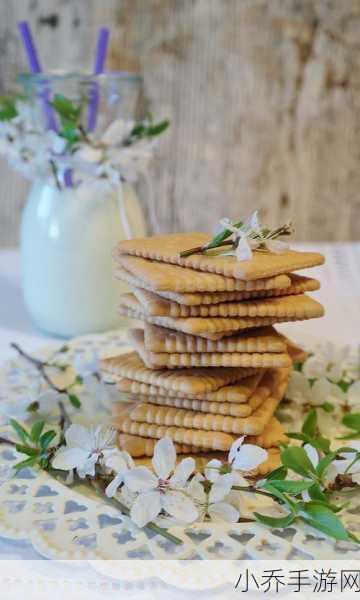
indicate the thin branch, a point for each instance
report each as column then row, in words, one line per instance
column 6, row 441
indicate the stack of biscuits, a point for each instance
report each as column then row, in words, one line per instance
column 208, row 365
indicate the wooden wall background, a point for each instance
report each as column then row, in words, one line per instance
column 264, row 99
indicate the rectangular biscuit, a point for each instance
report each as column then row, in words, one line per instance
column 284, row 306
column 167, row 248
column 139, row 446
column 211, row 327
column 299, row 285
column 162, row 339
column 194, row 381
column 159, row 276
column 234, row 409
column 188, row 419
column 238, row 392
column 159, row 360
column 206, row 440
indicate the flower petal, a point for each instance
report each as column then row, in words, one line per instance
column 179, row 506
column 196, row 490
column 77, row 436
column 320, row 391
column 313, row 454
column 113, row 486
column 212, row 469
column 69, row 458
column 249, row 457
column 117, row 460
column 145, row 508
column 140, row 479
column 243, row 250
column 164, row 458
column 223, row 512
column 183, row 472
column 221, row 488
column 314, row 367
column 235, row 447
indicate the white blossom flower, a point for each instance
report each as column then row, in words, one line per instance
column 348, row 465
column 250, row 236
column 212, row 505
column 84, row 448
column 246, row 457
column 161, row 491
column 328, row 362
column 119, row 462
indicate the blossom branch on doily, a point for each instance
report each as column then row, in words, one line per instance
column 305, row 488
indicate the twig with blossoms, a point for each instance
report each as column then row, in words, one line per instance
column 246, row 236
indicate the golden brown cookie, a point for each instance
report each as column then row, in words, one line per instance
column 299, row 285
column 194, row 381
column 167, row 248
column 159, row 360
column 238, row 392
column 158, row 276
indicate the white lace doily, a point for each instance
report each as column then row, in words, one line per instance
column 68, row 523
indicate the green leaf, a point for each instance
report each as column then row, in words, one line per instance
column 7, row 108
column 323, row 519
column 74, row 400
column 344, row 385
column 352, row 421
column 46, row 439
column 328, row 407
column 296, row 459
column 27, row 450
column 310, row 424
column 28, row 462
column 320, row 443
column 158, row 128
column 65, row 107
column 279, row 473
column 20, row 431
column 279, row 495
column 36, row 430
column 279, row 522
column 221, row 236
column 70, row 133
column 316, row 493
column 299, row 436
column 298, row 366
column 324, row 464
column 291, row 487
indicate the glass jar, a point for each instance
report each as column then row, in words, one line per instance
column 68, row 231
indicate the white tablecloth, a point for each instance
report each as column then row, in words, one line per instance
column 340, row 293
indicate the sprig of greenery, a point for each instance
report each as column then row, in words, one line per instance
column 352, row 421
column 42, row 366
column 221, row 239
column 309, row 499
column 35, row 444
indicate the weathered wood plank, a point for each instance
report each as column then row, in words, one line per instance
column 263, row 98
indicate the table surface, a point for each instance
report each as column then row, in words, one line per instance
column 340, row 293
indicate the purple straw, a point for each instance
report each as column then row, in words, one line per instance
column 35, row 67
column 100, row 58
